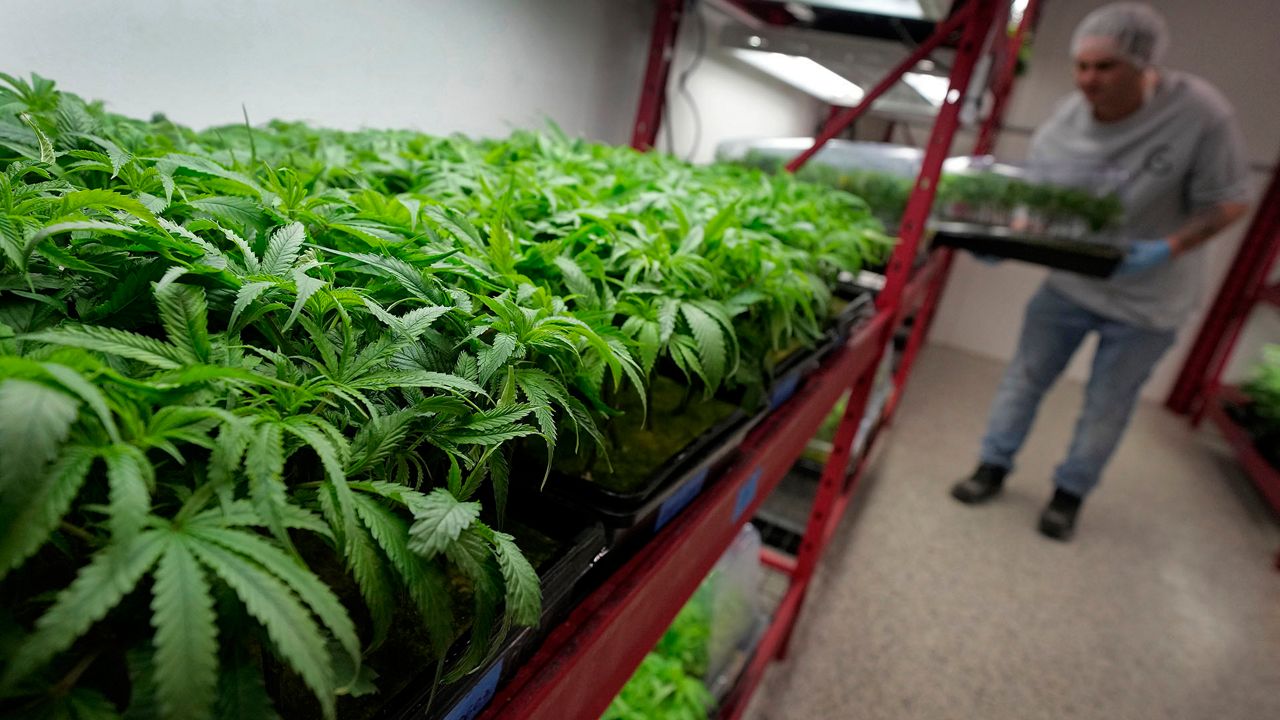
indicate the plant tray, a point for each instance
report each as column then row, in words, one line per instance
column 788, row 375
column 579, row 539
column 667, row 491
column 861, row 306
column 468, row 697
column 1078, row 256
column 791, row 372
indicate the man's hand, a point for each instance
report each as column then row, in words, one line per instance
column 1144, row 255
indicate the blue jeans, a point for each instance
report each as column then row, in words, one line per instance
column 1052, row 331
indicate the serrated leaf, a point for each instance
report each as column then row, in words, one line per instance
column 712, row 348
column 86, row 391
column 370, row 571
column 577, row 281
column 406, row 274
column 113, row 342
column 290, row 626
column 34, row 421
column 245, row 297
column 98, row 587
column 28, row 518
column 58, row 228
column 99, row 198
column 264, row 466
column 184, row 314
column 172, row 162
column 232, row 209
column 305, row 286
column 119, row 156
column 412, row 324
column 186, row 639
column 417, row 378
column 283, row 249
column 495, row 356
column 251, row 263
column 438, row 520
column 524, row 590
column 302, row 581
column 487, row 438
column 130, row 476
column 241, row 692
column 496, row 418
column 668, row 313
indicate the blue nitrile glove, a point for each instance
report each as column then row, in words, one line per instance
column 1144, row 255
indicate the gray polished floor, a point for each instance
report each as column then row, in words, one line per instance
column 1165, row 604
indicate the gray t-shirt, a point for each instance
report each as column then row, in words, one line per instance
column 1180, row 153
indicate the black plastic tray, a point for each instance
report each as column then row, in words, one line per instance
column 862, row 305
column 791, row 371
column 582, row 540
column 1078, row 256
column 628, row 516
column 468, row 697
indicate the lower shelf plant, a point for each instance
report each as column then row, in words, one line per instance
column 1261, row 416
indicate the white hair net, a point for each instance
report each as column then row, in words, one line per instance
column 1134, row 31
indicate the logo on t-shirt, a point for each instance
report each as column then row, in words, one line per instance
column 1157, row 161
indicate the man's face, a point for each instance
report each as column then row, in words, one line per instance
column 1109, row 83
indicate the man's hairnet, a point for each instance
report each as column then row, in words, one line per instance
column 1133, row 31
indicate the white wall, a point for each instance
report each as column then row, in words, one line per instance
column 481, row 67
column 1231, row 45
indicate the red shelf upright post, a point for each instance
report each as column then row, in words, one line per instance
column 1244, row 285
column 1001, row 88
column 653, row 96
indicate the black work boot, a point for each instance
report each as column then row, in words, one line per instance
column 985, row 483
column 1058, row 520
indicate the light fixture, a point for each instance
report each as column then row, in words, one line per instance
column 1019, row 8
column 805, row 74
column 930, row 87
column 892, row 8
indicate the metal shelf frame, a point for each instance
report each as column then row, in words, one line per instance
column 1244, row 288
column 585, row 661
column 1199, row 389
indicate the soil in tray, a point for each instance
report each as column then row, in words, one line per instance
column 638, row 447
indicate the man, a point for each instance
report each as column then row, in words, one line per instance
column 1176, row 139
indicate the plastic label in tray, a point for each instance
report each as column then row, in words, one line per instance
column 746, row 494
column 783, row 391
column 476, row 700
column 680, row 498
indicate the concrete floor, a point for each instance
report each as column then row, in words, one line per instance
column 1163, row 606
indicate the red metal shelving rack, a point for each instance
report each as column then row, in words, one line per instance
column 1199, row 389
column 585, row 661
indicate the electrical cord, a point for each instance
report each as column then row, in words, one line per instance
column 682, row 82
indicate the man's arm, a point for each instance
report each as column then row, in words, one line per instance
column 1204, row 225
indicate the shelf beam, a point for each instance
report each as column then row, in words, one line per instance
column 653, row 95
column 587, row 659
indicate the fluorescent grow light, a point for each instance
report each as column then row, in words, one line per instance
column 892, row 8
column 804, row 74
column 930, row 87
